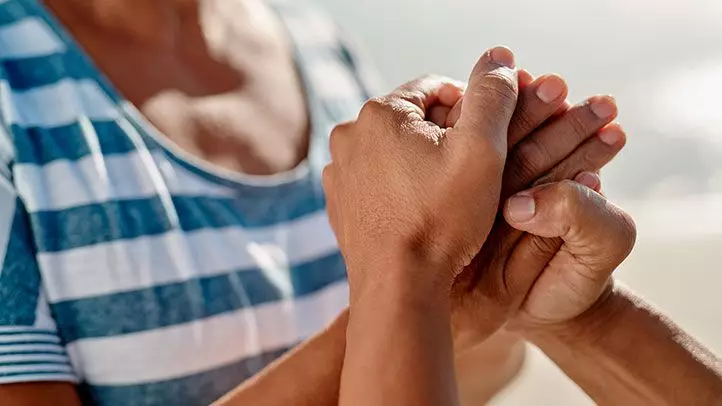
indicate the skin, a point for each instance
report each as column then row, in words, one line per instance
column 189, row 91
column 152, row 27
column 135, row 32
column 405, row 260
column 489, row 365
column 576, row 239
column 208, row 83
column 606, row 338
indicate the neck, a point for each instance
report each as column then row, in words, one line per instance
column 153, row 22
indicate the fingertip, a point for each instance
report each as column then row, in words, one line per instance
column 520, row 208
column 494, row 80
column 613, row 135
column 525, row 78
column 604, row 107
column 491, row 97
column 590, row 180
column 503, row 56
column 550, row 88
column 495, row 58
column 450, row 93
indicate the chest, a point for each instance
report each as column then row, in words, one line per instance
column 171, row 282
column 226, row 91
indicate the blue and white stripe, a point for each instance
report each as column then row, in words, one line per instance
column 133, row 270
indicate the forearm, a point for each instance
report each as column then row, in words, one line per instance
column 309, row 375
column 399, row 348
column 625, row 352
column 485, row 369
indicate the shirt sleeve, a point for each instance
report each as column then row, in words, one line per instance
column 30, row 349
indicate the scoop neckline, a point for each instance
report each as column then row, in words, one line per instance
column 197, row 165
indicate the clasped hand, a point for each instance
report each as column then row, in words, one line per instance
column 415, row 186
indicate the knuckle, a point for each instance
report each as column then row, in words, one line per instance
column 337, row 134
column 327, row 178
column 413, row 96
column 374, row 108
column 628, row 233
column 544, row 248
column 588, row 160
column 379, row 116
column 523, row 120
column 577, row 126
column 529, row 160
column 569, row 196
column 333, row 139
column 500, row 87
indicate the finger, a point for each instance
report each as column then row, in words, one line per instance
column 590, row 226
column 421, row 94
column 454, row 114
column 591, row 156
column 490, row 97
column 451, row 92
column 531, row 111
column 525, row 78
column 538, row 153
column 590, row 180
column 438, row 115
column 538, row 101
column 576, row 231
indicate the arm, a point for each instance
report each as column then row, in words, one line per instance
column 618, row 348
column 42, row 393
column 487, row 367
column 309, row 375
column 404, row 200
column 399, row 344
column 623, row 351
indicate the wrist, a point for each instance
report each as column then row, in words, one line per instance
column 403, row 274
column 585, row 329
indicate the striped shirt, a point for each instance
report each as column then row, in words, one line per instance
column 137, row 272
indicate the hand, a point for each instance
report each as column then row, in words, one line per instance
column 585, row 238
column 605, row 338
column 548, row 141
column 402, row 187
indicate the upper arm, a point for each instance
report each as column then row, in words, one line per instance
column 34, row 366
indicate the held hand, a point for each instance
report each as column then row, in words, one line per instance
column 403, row 188
column 548, row 141
column 586, row 238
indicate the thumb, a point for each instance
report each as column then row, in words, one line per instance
column 491, row 95
column 592, row 228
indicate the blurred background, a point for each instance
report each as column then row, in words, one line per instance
column 662, row 60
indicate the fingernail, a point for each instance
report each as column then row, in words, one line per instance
column 503, row 56
column 588, row 179
column 611, row 136
column 603, row 107
column 521, row 208
column 550, row 89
